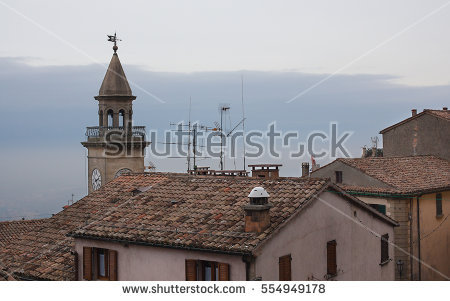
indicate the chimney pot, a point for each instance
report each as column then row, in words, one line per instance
column 413, row 112
column 305, row 169
column 257, row 212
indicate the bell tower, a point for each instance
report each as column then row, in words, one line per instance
column 115, row 146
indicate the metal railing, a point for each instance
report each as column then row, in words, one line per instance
column 100, row 131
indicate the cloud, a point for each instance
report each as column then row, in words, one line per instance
column 48, row 108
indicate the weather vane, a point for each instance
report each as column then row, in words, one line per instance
column 114, row 39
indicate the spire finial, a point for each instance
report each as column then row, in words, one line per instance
column 114, row 39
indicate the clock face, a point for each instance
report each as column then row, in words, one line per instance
column 122, row 171
column 96, row 179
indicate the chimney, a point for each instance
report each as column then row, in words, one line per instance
column 305, row 169
column 444, row 108
column 364, row 152
column 413, row 112
column 268, row 171
column 374, row 151
column 257, row 212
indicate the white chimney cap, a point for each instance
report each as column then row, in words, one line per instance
column 258, row 192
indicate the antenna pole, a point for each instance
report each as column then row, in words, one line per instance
column 189, row 142
column 243, row 115
column 194, row 144
column 221, row 138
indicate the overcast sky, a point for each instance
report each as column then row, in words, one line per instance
column 363, row 65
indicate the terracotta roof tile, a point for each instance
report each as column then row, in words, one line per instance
column 408, row 175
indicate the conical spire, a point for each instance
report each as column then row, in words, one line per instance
column 115, row 82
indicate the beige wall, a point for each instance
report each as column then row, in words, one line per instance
column 305, row 238
column 162, row 264
column 434, row 237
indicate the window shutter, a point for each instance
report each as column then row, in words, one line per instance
column 87, row 263
column 384, row 248
column 112, row 265
column 224, row 272
column 191, row 270
column 284, row 268
column 75, row 262
column 331, row 258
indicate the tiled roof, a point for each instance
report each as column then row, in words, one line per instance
column 44, row 252
column 371, row 189
column 162, row 209
column 413, row 174
column 11, row 230
column 199, row 212
column 9, row 233
column 443, row 114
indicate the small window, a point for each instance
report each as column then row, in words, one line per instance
column 202, row 270
column 284, row 267
column 331, row 259
column 380, row 208
column 99, row 264
column 438, row 204
column 102, row 264
column 338, row 176
column 384, row 248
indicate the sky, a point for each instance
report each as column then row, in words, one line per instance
column 362, row 65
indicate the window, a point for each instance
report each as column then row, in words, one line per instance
column 202, row 270
column 99, row 264
column 380, row 208
column 331, row 258
column 102, row 264
column 110, row 118
column 122, row 118
column 338, row 174
column 438, row 204
column 284, row 267
column 384, row 248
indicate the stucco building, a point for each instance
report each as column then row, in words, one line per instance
column 425, row 133
column 210, row 228
column 415, row 191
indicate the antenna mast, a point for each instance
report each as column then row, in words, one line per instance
column 223, row 109
column 243, row 115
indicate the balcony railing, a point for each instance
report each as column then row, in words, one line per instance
column 101, row 131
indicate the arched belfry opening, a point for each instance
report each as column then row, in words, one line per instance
column 110, row 118
column 122, row 118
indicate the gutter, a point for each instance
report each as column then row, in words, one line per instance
column 121, row 241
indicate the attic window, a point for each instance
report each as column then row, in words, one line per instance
column 338, row 174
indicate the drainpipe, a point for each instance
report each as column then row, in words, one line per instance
column 411, row 247
column 418, row 238
column 248, row 259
